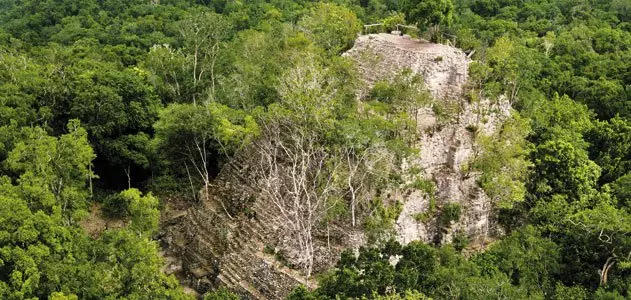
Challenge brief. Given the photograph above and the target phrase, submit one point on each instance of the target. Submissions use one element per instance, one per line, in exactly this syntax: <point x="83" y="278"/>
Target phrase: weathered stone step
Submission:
<point x="279" y="267"/>
<point x="236" y="274"/>
<point x="227" y="280"/>
<point x="253" y="291"/>
<point x="255" y="225"/>
<point x="197" y="264"/>
<point x="237" y="243"/>
<point x="241" y="245"/>
<point x="232" y="270"/>
<point x="249" y="232"/>
<point x="264" y="213"/>
<point x="196" y="220"/>
<point x="206" y="244"/>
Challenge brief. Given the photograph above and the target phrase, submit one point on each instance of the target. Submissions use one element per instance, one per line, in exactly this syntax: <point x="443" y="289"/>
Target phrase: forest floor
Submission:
<point x="97" y="222"/>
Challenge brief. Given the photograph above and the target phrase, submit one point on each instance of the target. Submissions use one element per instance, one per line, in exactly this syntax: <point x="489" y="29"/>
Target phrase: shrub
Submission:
<point x="460" y="240"/>
<point x="450" y="212"/>
<point x="116" y="206"/>
<point x="425" y="185"/>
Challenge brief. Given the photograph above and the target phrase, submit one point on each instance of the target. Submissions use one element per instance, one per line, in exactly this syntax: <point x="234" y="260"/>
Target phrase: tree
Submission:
<point x="427" y="13"/>
<point x="293" y="165"/>
<point x="621" y="189"/>
<point x="296" y="173"/>
<point x="332" y="27"/>
<point x="142" y="210"/>
<point x="42" y="256"/>
<point x="29" y="239"/>
<point x="115" y="105"/>
<point x="561" y="118"/>
<point x="530" y="260"/>
<point x="201" y="35"/>
<point x="610" y="147"/>
<point x="504" y="163"/>
<point x="606" y="228"/>
<point x="169" y="73"/>
<point x="123" y="264"/>
<point x="560" y="168"/>
<point x="376" y="140"/>
<point x="622" y="9"/>
<point x="53" y="172"/>
<point x="418" y="271"/>
<point x="320" y="149"/>
<point x="193" y="138"/>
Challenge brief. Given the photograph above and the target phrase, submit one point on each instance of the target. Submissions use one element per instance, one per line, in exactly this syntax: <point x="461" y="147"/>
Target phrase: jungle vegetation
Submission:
<point x="128" y="103"/>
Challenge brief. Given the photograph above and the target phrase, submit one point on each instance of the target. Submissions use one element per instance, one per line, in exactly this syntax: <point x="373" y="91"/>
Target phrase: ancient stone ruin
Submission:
<point x="210" y="247"/>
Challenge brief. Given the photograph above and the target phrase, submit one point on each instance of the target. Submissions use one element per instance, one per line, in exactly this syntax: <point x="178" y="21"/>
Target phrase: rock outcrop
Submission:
<point x="446" y="146"/>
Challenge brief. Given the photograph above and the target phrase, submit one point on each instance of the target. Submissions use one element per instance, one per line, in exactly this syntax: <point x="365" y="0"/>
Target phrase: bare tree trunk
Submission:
<point x="90" y="178"/>
<point x="190" y="180"/>
<point x="128" y="173"/>
<point x="605" y="270"/>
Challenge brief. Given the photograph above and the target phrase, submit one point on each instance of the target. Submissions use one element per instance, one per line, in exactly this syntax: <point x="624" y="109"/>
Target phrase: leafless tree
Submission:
<point x="296" y="174"/>
<point x="202" y="35"/>
<point x="365" y="169"/>
<point x="295" y="169"/>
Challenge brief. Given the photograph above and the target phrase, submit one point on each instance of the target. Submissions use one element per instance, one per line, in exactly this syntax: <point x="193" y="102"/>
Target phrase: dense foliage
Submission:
<point x="100" y="100"/>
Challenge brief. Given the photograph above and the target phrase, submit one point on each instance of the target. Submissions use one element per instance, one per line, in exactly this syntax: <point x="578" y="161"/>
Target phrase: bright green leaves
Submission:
<point x="507" y="69"/>
<point x="169" y="73"/>
<point x="309" y="94"/>
<point x="62" y="296"/>
<point x="611" y="147"/>
<point x="563" y="172"/>
<point x="393" y="19"/>
<point x="128" y="266"/>
<point x="221" y="294"/>
<point x="322" y="150"/>
<point x="604" y="221"/>
<point x="504" y="162"/>
<point x="131" y="204"/>
<point x="40" y="256"/>
<point x="397" y="272"/>
<point x="429" y="13"/>
<point x="192" y="140"/>
<point x="126" y="150"/>
<point x="19" y="76"/>
<point x="53" y="172"/>
<point x="183" y="130"/>
<point x="501" y="59"/>
<point x="27" y="241"/>
<point x="257" y="61"/>
<point x="621" y="190"/>
<point x="561" y="168"/>
<point x="116" y="108"/>
<point x="76" y="82"/>
<point x="526" y="257"/>
<point x="561" y="118"/>
<point x="390" y="108"/>
<point x="405" y="91"/>
<point x="109" y="101"/>
<point x="332" y="27"/>
<point x="188" y="74"/>
<point x="143" y="211"/>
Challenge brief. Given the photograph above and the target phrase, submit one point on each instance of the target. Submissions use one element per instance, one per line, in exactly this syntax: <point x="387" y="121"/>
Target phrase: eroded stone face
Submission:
<point x="445" y="146"/>
<point x="381" y="56"/>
